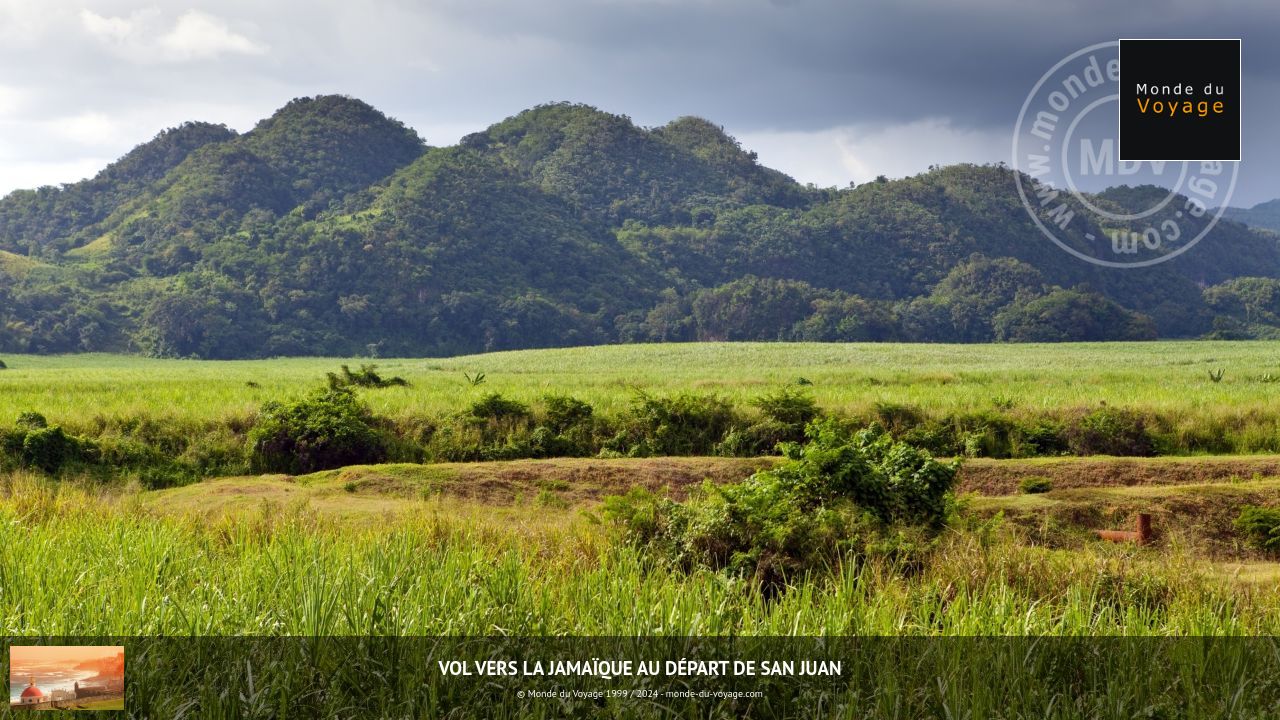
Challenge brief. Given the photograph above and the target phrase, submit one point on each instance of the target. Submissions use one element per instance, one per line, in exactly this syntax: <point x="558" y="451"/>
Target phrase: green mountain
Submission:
<point x="331" y="229"/>
<point x="31" y="220"/>
<point x="1263" y="215"/>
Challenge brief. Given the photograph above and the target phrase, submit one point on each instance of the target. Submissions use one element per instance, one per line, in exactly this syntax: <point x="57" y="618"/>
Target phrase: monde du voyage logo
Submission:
<point x="1127" y="150"/>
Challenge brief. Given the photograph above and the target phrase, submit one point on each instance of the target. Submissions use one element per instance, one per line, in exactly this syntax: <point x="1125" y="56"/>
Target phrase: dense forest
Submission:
<point x="331" y="229"/>
<point x="1263" y="215"/>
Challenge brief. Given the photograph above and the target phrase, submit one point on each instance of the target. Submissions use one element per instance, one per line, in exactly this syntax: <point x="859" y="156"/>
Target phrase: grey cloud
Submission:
<point x="753" y="65"/>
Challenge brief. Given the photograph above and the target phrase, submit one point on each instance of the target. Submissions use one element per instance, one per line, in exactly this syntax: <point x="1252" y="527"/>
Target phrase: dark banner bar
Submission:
<point x="871" y="677"/>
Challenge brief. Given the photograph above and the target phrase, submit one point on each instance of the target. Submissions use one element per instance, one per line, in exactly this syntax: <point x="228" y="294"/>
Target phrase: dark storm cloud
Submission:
<point x="810" y="65"/>
<point x="84" y="80"/>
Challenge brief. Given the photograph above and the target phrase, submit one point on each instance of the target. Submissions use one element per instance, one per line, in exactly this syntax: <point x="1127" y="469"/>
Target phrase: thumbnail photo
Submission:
<point x="66" y="677"/>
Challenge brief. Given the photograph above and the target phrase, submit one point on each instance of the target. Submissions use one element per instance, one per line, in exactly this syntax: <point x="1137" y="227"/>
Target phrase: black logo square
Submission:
<point x="1179" y="100"/>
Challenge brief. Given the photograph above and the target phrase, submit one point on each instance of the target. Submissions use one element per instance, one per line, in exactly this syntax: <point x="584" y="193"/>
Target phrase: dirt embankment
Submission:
<point x="1001" y="477"/>
<point x="576" y="480"/>
<point x="586" y="480"/>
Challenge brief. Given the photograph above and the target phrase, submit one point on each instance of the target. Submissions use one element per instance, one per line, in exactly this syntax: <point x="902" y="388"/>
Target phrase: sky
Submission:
<point x="828" y="91"/>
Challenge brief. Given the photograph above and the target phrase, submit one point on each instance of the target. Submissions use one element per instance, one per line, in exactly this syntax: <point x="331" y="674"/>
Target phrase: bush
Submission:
<point x="3" y="366"/>
<point x="1035" y="484"/>
<point x="761" y="438"/>
<point x="50" y="448"/>
<point x="837" y="493"/>
<point x="366" y="376"/>
<point x="684" y="424"/>
<point x="565" y="413"/>
<point x="1109" y="431"/>
<point x="789" y="407"/>
<point x="328" y="429"/>
<point x="11" y="446"/>
<point x="1043" y="436"/>
<point x="1260" y="527"/>
<point x="495" y="407"/>
<point x="32" y="420"/>
<point x="985" y="434"/>
<point x="786" y="413"/>
<point x="898" y="417"/>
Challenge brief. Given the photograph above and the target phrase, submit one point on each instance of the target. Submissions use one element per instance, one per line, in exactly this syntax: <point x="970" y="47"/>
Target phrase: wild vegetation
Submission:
<point x="439" y="567"/>
<point x="167" y="422"/>
<point x="331" y="527"/>
<point x="330" y="229"/>
<point x="837" y="495"/>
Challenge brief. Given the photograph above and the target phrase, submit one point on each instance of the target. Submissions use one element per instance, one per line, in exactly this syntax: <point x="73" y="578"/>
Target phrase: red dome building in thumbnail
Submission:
<point x="32" y="695"/>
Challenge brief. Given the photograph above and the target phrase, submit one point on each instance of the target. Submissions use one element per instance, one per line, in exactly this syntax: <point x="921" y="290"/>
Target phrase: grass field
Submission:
<point x="519" y="547"/>
<point x="1171" y="377"/>
<point x="375" y="560"/>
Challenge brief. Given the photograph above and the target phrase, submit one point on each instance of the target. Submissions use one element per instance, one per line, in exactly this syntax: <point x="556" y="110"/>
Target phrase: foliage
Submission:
<point x="1261" y="527"/>
<point x="324" y="430"/>
<point x="49" y="448"/>
<point x="1071" y="315"/>
<point x="840" y="492"/>
<point x="1035" y="484"/>
<point x="682" y="424"/>
<point x="565" y="413"/>
<point x="34" y="443"/>
<point x="495" y="407"/>
<point x="31" y="420"/>
<point x="366" y="377"/>
<point x="1110" y="431"/>
<point x="784" y="415"/>
<point x="329" y="229"/>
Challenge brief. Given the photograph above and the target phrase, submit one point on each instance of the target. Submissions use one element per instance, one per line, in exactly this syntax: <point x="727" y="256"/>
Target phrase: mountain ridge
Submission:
<point x="330" y="228"/>
<point x="1264" y="215"/>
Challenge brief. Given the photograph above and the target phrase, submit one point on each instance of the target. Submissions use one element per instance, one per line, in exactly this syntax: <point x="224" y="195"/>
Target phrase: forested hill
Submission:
<point x="1263" y="215"/>
<point x="331" y="229"/>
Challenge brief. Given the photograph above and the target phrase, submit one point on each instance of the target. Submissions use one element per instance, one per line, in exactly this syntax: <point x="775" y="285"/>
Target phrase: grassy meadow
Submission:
<point x="81" y="562"/>
<point x="520" y="548"/>
<point x="1169" y="377"/>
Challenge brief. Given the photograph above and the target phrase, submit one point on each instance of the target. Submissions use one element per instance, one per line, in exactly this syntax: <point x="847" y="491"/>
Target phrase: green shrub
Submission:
<point x="788" y="406"/>
<point x="495" y="407"/>
<point x="785" y="415"/>
<point x="366" y="377"/>
<point x="549" y="499"/>
<point x="762" y="438"/>
<point x="1110" y="431"/>
<point x="565" y="413"/>
<point x="936" y="436"/>
<point x="1042" y="436"/>
<point x="493" y="428"/>
<point x="898" y="417"/>
<point x="684" y="424"/>
<point x="838" y="493"/>
<point x="327" y="429"/>
<point x="11" y="446"/>
<point x="1035" y="484"/>
<point x="1260" y="527"/>
<point x="32" y="420"/>
<point x="49" y="448"/>
<point x="3" y="366"/>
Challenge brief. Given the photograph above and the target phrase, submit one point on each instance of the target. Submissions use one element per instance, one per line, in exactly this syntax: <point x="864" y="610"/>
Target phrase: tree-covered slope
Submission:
<point x="1263" y="215"/>
<point x="608" y="168"/>
<point x="331" y="229"/>
<point x="31" y="220"/>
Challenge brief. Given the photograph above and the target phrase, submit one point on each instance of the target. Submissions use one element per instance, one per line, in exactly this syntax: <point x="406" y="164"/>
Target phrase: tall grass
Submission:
<point x="75" y="562"/>
<point x="198" y="410"/>
<point x="1165" y="376"/>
